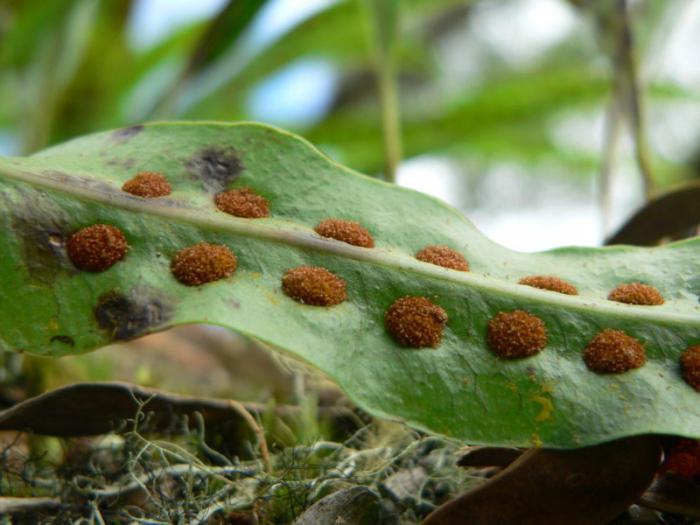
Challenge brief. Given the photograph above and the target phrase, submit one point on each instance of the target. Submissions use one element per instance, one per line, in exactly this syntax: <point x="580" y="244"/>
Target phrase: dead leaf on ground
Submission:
<point x="674" y="215"/>
<point x="88" y="409"/>
<point x="586" y="486"/>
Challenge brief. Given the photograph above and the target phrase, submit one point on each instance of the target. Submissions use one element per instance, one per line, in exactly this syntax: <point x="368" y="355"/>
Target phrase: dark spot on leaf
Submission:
<point x="127" y="133"/>
<point x="44" y="251"/>
<point x="83" y="182"/>
<point x="216" y="167"/>
<point x="65" y="339"/>
<point x="43" y="233"/>
<point x="126" y="163"/>
<point x="233" y="303"/>
<point x="126" y="317"/>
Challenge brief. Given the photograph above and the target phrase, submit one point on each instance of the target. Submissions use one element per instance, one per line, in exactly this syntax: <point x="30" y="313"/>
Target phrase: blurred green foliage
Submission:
<point x="67" y="68"/>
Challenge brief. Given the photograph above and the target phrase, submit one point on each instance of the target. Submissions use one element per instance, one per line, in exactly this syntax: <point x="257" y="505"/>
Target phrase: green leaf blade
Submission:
<point x="459" y="389"/>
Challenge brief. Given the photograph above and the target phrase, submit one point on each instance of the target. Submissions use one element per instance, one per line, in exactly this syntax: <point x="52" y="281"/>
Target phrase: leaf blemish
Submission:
<point x="544" y="399"/>
<point x="125" y="163"/>
<point x="215" y="167"/>
<point x="127" y="133"/>
<point x="517" y="334"/>
<point x="314" y="285"/>
<point x="125" y="317"/>
<point x="415" y="322"/>
<point x="43" y="244"/>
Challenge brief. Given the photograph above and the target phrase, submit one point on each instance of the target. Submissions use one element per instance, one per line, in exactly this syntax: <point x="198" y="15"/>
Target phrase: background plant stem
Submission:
<point x="634" y="97"/>
<point x="630" y="93"/>
<point x="384" y="15"/>
<point x="611" y="140"/>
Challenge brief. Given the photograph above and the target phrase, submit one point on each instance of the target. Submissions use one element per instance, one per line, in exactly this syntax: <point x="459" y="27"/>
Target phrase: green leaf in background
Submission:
<point x="220" y="35"/>
<point x="460" y="388"/>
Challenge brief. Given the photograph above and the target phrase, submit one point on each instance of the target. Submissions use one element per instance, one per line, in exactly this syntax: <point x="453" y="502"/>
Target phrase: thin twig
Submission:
<point x="205" y="515"/>
<point x="262" y="442"/>
<point x="95" y="514"/>
<point x="139" y="483"/>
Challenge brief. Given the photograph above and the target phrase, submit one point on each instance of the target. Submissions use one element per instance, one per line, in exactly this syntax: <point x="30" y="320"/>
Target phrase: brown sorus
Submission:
<point x="148" y="184"/>
<point x="243" y="202"/>
<point x="203" y="263"/>
<point x="683" y="458"/>
<point x="636" y="293"/>
<point x="549" y="282"/>
<point x="443" y="256"/>
<point x="314" y="285"/>
<point x="516" y="334"/>
<point x="614" y="352"/>
<point x="350" y="232"/>
<point x="415" y="322"/>
<point x="690" y="365"/>
<point x="97" y="247"/>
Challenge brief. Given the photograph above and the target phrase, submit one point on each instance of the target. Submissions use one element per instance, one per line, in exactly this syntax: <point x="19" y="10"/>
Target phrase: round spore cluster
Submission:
<point x="350" y="232"/>
<point x="243" y="202"/>
<point x="690" y="365"/>
<point x="203" y="263"/>
<point x="97" y="247"/>
<point x="614" y="352"/>
<point x="415" y="322"/>
<point x="683" y="459"/>
<point x="148" y="184"/>
<point x="444" y="256"/>
<point x="549" y="282"/>
<point x="636" y="293"/>
<point x="314" y="285"/>
<point x="517" y="334"/>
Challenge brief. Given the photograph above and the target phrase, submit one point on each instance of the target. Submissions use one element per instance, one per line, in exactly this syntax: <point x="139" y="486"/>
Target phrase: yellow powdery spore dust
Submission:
<point x="517" y="334"/>
<point x="243" y="202"/>
<point x="443" y="256"/>
<point x="614" y="352"/>
<point x="97" y="248"/>
<point x="350" y="232"/>
<point x="549" y="282"/>
<point x="636" y="293"/>
<point x="203" y="263"/>
<point x="314" y="285"/>
<point x="690" y="365"/>
<point x="415" y="322"/>
<point x="148" y="184"/>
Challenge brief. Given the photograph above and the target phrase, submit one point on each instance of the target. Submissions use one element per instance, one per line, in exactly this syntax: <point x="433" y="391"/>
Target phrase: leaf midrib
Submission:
<point x="270" y="230"/>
